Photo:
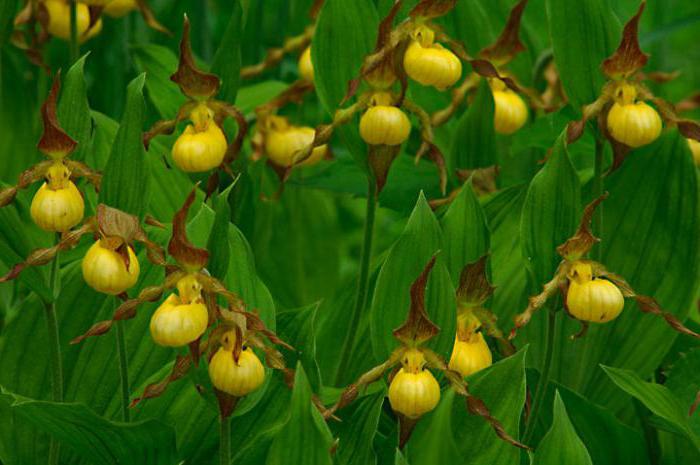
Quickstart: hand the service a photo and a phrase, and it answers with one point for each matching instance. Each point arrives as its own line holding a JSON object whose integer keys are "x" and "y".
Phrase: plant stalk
{"x": 363, "y": 283}
{"x": 541, "y": 388}
{"x": 74, "y": 47}
{"x": 123, "y": 370}
{"x": 54, "y": 346}
{"x": 598, "y": 189}
{"x": 224, "y": 440}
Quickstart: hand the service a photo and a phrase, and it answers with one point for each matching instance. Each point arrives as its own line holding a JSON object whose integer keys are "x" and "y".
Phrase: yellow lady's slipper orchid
{"x": 59, "y": 20}
{"x": 510, "y": 111}
{"x": 430, "y": 63}
{"x": 235, "y": 377}
{"x": 414, "y": 390}
{"x": 182, "y": 318}
{"x": 105, "y": 270}
{"x": 592, "y": 299}
{"x": 383, "y": 123}
{"x": 58, "y": 205}
{"x": 202, "y": 145}
{"x": 632, "y": 122}
{"x": 306, "y": 67}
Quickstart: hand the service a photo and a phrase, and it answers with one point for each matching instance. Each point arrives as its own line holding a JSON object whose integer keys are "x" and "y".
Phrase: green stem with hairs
{"x": 224, "y": 440}
{"x": 363, "y": 283}
{"x": 123, "y": 370}
{"x": 74, "y": 47}
{"x": 54, "y": 347}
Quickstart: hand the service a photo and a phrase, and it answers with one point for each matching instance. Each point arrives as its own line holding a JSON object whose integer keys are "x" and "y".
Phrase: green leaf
{"x": 657, "y": 398}
{"x": 583, "y": 34}
{"x": 8, "y": 8}
{"x": 474, "y": 140}
{"x": 433, "y": 439}
{"x": 297, "y": 328}
{"x": 126, "y": 176}
{"x": 551, "y": 213}
{"x": 159, "y": 63}
{"x": 356, "y": 432}
{"x": 683, "y": 380}
{"x": 227, "y": 59}
{"x": 345, "y": 33}
{"x": 96, "y": 439}
{"x": 74, "y": 110}
{"x": 502, "y": 388}
{"x": 305, "y": 438}
{"x": 465, "y": 231}
{"x": 420, "y": 240}
{"x": 217, "y": 244}
{"x": 561, "y": 444}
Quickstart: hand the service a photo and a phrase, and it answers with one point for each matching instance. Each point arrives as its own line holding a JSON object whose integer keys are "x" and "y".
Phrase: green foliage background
{"x": 620, "y": 395}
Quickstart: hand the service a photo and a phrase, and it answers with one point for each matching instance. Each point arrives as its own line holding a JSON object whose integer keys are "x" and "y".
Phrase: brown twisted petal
{"x": 182, "y": 366}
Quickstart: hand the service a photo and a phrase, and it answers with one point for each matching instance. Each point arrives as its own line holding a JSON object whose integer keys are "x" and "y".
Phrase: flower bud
{"x": 235, "y": 377}
{"x": 106, "y": 271}
{"x": 57, "y": 206}
{"x": 414, "y": 391}
{"x": 58, "y": 25}
{"x": 119, "y": 8}
{"x": 284, "y": 141}
{"x": 592, "y": 299}
{"x": 429, "y": 63}
{"x": 510, "y": 111}
{"x": 631, "y": 122}
{"x": 383, "y": 123}
{"x": 306, "y": 67}
{"x": 182, "y": 318}
{"x": 695, "y": 150}
{"x": 470, "y": 355}
{"x": 202, "y": 145}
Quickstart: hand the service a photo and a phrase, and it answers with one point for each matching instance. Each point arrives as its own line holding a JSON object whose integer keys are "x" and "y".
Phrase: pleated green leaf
{"x": 466, "y": 235}
{"x": 657, "y": 398}
{"x": 305, "y": 438}
{"x": 96, "y": 439}
{"x": 356, "y": 432}
{"x": 420, "y": 240}
{"x": 74, "y": 110}
{"x": 550, "y": 213}
{"x": 474, "y": 140}
{"x": 583, "y": 34}
{"x": 227, "y": 60}
{"x": 561, "y": 444}
{"x": 126, "y": 176}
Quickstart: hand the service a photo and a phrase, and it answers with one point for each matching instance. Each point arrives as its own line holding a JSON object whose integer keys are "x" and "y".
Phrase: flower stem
{"x": 224, "y": 440}
{"x": 541, "y": 388}
{"x": 598, "y": 188}
{"x": 54, "y": 346}
{"x": 363, "y": 284}
{"x": 74, "y": 47}
{"x": 123, "y": 369}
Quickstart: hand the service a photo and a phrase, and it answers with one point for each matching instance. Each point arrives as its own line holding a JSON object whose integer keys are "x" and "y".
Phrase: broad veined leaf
{"x": 474, "y": 140}
{"x": 7, "y": 11}
{"x": 96, "y": 439}
{"x": 227, "y": 60}
{"x": 473, "y": 26}
{"x": 550, "y": 213}
{"x": 126, "y": 176}
{"x": 159, "y": 63}
{"x": 356, "y": 432}
{"x": 583, "y": 34}
{"x": 502, "y": 388}
{"x": 74, "y": 110}
{"x": 561, "y": 444}
{"x": 433, "y": 440}
{"x": 650, "y": 236}
{"x": 305, "y": 438}
{"x": 420, "y": 240}
{"x": 298, "y": 328}
{"x": 683, "y": 379}
{"x": 217, "y": 242}
{"x": 345, "y": 32}
{"x": 608, "y": 440}
{"x": 657, "y": 398}
{"x": 466, "y": 235}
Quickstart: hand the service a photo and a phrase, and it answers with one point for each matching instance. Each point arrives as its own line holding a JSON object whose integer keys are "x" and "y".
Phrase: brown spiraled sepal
{"x": 647, "y": 304}
{"x": 628, "y": 58}
{"x": 474, "y": 286}
{"x": 180, "y": 248}
{"x": 580, "y": 243}
{"x": 193, "y": 82}
{"x": 54, "y": 142}
{"x": 427, "y": 9}
{"x": 508, "y": 44}
{"x": 418, "y": 328}
{"x": 182, "y": 366}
